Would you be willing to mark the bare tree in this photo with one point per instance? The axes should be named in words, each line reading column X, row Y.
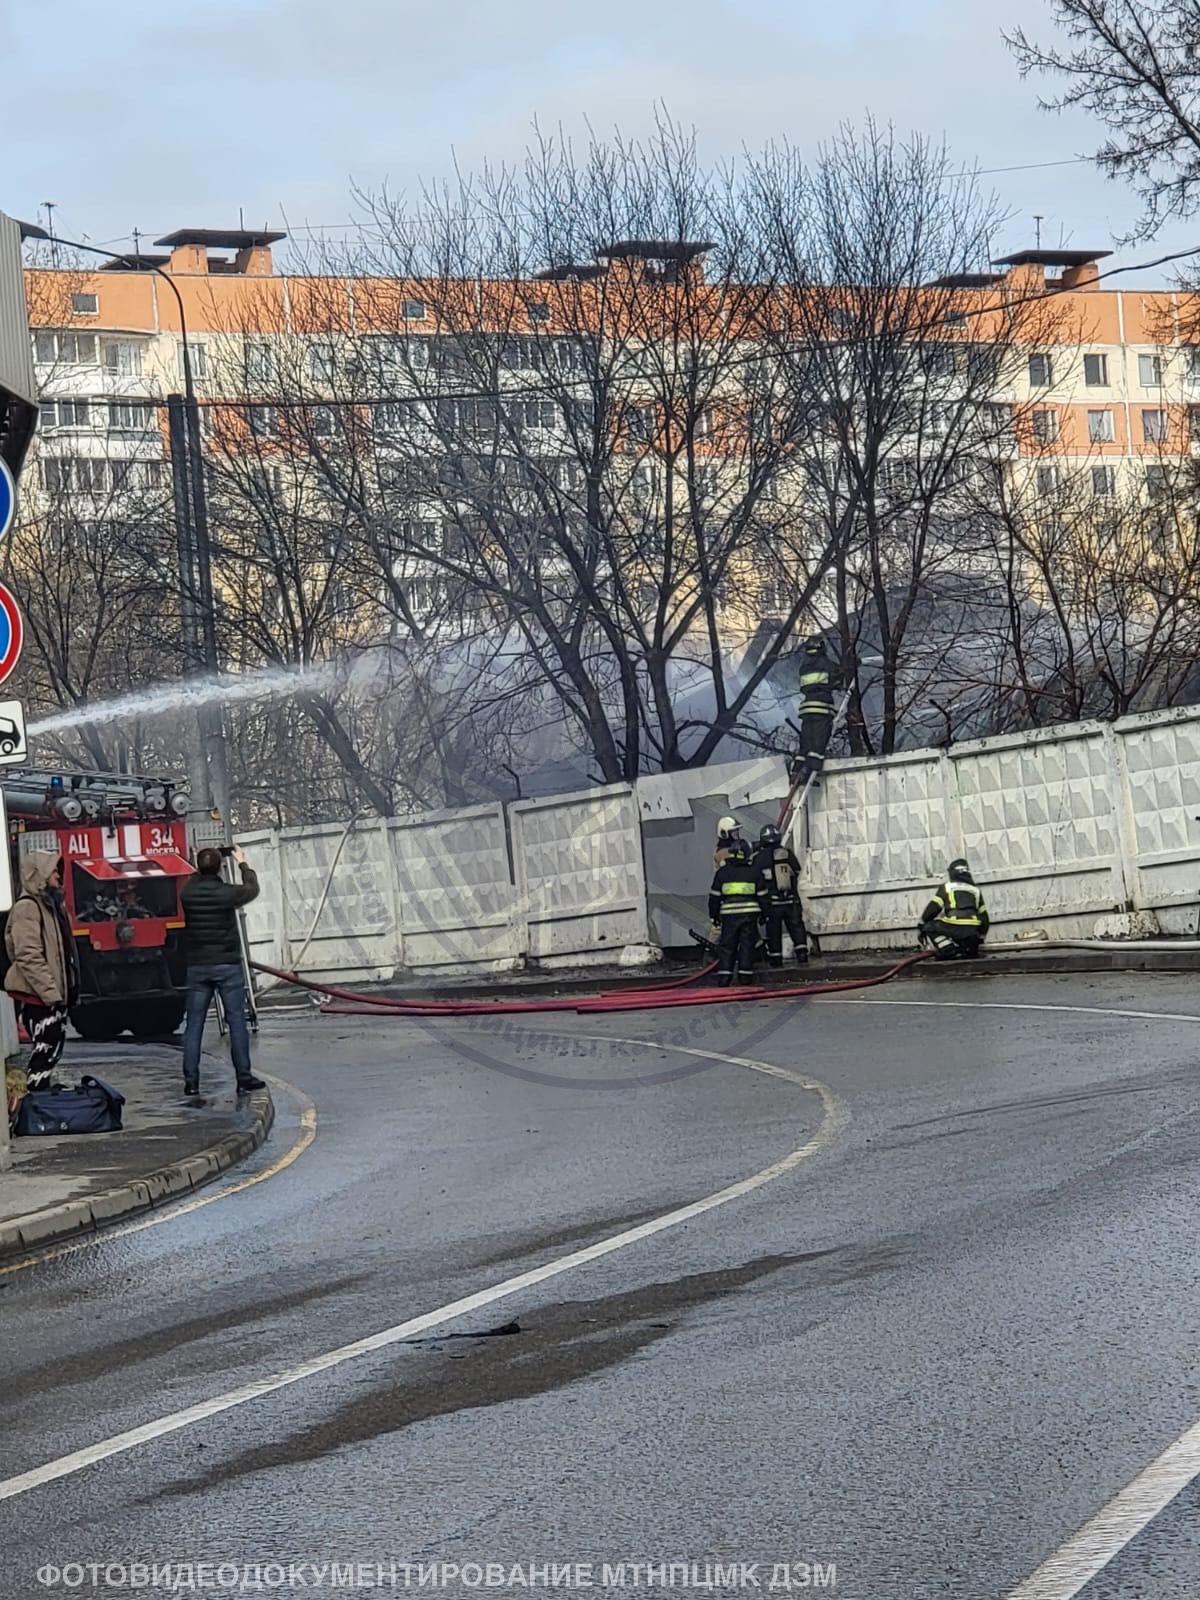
column 903, row 338
column 1136, row 68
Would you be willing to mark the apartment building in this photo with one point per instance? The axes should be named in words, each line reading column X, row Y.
column 1105, row 396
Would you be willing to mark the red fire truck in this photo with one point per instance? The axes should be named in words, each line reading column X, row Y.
column 124, row 847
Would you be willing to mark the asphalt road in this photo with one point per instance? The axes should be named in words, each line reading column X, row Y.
column 954, row 1315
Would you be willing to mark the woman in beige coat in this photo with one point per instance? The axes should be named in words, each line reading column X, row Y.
column 41, row 972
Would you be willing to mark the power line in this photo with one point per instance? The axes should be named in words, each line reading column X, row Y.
column 364, row 227
column 1025, row 166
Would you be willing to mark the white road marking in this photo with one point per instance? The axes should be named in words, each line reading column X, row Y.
column 1075, row 1563
column 1090, row 1550
column 119, row 1443
column 1020, row 1005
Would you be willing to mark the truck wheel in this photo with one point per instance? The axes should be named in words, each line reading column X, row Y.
column 98, row 1022
column 157, row 1019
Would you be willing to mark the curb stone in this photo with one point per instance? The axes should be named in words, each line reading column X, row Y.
column 152, row 1189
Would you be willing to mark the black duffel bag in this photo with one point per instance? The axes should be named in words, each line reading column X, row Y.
column 94, row 1107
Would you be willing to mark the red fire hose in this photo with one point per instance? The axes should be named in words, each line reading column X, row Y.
column 353, row 1004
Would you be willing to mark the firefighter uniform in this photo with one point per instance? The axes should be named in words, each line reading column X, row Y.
column 733, row 906
column 819, row 677
column 955, row 922
column 777, row 873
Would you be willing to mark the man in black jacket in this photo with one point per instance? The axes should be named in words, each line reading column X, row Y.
column 214, row 956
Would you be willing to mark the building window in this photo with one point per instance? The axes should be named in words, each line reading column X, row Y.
column 320, row 363
column 265, row 482
column 260, row 361
column 541, row 414
column 126, row 416
column 66, row 414
column 1191, row 356
column 516, row 355
column 1150, row 372
column 955, row 319
column 640, row 423
column 421, row 536
column 1100, row 427
column 85, row 305
column 1156, row 482
column 324, row 422
column 1104, row 482
column 645, row 486
column 1041, row 371
column 413, row 310
column 199, row 359
column 1095, row 371
column 73, row 349
column 136, row 474
column 75, row 474
column 1047, row 481
column 1194, row 424
column 263, row 421
column 939, row 360
column 538, row 310
column 1154, row 427
column 1045, row 427
column 123, row 357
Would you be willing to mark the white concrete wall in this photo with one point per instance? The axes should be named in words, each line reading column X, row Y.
column 1062, row 825
column 557, row 880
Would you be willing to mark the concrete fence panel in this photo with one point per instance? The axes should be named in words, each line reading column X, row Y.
column 1159, row 758
column 265, row 916
column 869, row 840
column 339, row 900
column 581, row 884
column 455, row 890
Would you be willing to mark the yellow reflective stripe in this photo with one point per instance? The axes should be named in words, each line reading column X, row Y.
column 739, row 888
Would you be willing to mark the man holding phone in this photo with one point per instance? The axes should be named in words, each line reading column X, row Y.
column 214, row 957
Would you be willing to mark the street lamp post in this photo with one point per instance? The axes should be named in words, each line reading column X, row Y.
column 197, row 609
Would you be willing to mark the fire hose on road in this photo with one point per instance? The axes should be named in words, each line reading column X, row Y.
column 352, row 1003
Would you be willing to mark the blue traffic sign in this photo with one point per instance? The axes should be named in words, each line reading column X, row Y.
column 8, row 498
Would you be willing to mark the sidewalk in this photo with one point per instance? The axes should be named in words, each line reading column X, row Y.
column 62, row 1186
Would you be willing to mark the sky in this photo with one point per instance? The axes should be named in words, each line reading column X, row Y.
column 156, row 117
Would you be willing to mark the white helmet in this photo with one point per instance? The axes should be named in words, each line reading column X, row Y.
column 728, row 825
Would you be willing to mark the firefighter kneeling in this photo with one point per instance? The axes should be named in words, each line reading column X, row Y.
column 733, row 909
column 955, row 922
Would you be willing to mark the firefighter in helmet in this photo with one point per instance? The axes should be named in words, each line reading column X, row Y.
column 733, row 909
column 955, row 922
column 819, row 677
column 729, row 830
column 777, row 874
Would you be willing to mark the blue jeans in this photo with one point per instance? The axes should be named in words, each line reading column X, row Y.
column 228, row 980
